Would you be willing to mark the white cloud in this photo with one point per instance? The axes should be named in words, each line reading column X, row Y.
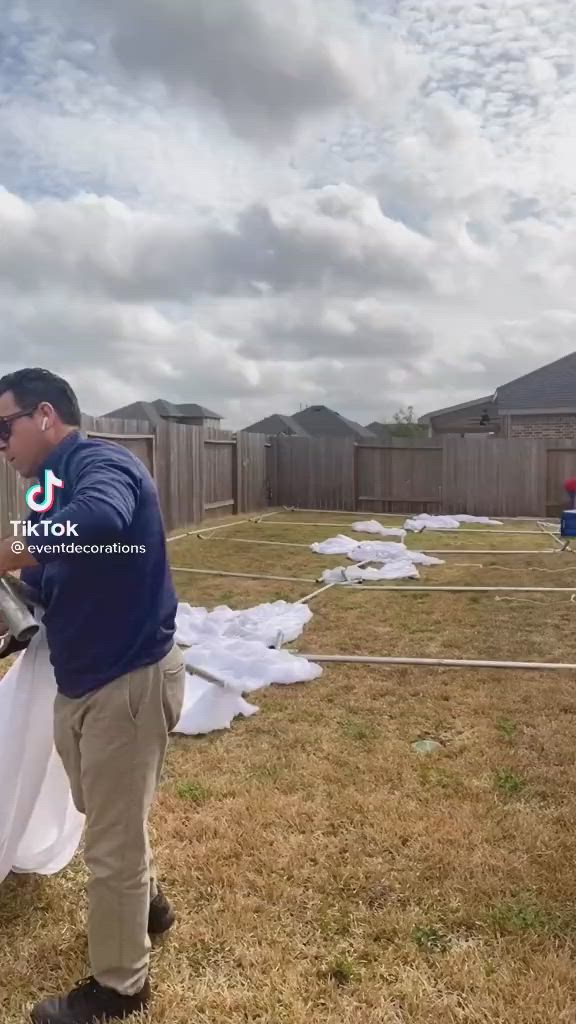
column 311, row 329
column 263, row 66
column 331, row 237
column 148, row 354
column 259, row 205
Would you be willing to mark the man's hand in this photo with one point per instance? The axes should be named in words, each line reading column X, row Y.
column 11, row 560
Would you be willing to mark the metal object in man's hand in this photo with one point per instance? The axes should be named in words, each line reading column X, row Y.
column 14, row 610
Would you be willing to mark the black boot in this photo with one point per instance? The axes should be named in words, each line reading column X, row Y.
column 90, row 1003
column 161, row 916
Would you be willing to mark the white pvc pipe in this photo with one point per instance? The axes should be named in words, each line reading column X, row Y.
column 212, row 529
column 490, row 551
column 328, row 586
column 463, row 529
column 266, row 515
column 300, row 522
column 557, row 540
column 454, row 590
column 425, row 551
column 304, row 600
column 243, row 575
column 394, row 515
column 224, row 526
column 267, row 543
column 357, row 659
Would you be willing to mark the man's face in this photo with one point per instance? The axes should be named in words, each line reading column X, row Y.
column 27, row 446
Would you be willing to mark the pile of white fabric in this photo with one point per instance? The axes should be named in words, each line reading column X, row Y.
column 395, row 559
column 236, row 647
column 372, row 526
column 426, row 522
column 395, row 570
column 372, row 551
column 339, row 545
column 422, row 522
column 264, row 623
column 40, row 829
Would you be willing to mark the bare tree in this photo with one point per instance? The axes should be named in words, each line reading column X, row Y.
column 405, row 424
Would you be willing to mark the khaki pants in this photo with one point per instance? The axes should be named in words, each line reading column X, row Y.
column 112, row 744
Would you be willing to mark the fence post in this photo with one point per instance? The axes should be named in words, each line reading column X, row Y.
column 237, row 476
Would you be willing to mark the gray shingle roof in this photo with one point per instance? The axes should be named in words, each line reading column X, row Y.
column 276, row 424
column 193, row 409
column 156, row 411
column 462, row 407
column 551, row 387
column 135, row 411
column 320, row 421
column 381, row 430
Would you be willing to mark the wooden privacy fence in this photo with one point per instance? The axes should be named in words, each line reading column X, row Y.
column 480, row 476
column 202, row 474
column 206, row 473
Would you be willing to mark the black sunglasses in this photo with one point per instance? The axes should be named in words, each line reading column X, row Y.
column 7, row 421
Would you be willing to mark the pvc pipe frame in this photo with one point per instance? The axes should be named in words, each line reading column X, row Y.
column 372, row 660
column 209, row 530
column 365, row 587
column 268, row 543
column 509, row 533
column 564, row 545
column 243, row 575
column 328, row 586
column 424, row 551
column 386, row 515
column 212, row 529
column 358, row 659
column 354, row 585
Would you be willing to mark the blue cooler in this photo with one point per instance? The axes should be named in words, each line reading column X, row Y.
column 568, row 523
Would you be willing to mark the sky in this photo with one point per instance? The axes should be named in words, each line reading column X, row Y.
column 260, row 206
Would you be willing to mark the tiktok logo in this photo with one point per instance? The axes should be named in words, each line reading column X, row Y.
column 40, row 497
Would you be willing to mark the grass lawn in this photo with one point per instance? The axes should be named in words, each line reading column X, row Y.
column 322, row 871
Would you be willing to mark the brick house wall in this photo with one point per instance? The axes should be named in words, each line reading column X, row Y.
column 560, row 427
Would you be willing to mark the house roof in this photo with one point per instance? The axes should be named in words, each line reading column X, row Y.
column 377, row 428
column 156, row 411
column 193, row 409
column 380, row 430
column 276, row 424
column 552, row 387
column 135, row 411
column 462, row 407
column 387, row 431
column 320, row 421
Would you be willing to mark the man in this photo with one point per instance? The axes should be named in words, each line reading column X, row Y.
column 110, row 626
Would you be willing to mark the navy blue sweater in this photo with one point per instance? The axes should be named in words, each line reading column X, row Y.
column 111, row 612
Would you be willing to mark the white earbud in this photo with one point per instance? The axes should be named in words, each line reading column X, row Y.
column 44, row 423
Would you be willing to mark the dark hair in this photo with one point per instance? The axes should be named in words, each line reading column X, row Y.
column 34, row 385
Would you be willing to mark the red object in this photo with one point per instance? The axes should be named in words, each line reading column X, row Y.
column 570, row 485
